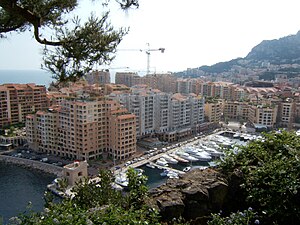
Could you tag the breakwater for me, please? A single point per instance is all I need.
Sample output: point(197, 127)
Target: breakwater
point(36, 165)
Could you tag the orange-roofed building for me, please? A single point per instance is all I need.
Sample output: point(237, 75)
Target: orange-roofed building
point(83, 129)
point(18, 100)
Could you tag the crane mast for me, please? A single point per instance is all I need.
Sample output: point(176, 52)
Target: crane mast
point(147, 51)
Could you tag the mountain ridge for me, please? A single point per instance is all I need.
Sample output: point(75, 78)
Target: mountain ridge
point(284, 50)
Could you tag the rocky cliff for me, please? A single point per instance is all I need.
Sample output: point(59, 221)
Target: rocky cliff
point(194, 196)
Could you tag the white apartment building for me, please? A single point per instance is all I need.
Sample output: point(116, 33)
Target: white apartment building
point(158, 112)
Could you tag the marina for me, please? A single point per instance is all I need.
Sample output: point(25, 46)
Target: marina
point(171, 162)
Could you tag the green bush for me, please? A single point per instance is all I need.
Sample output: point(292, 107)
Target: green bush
point(98, 204)
point(245, 217)
point(270, 172)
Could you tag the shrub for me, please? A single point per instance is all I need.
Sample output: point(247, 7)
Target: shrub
point(270, 171)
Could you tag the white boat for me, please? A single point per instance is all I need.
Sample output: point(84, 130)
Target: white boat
point(121, 179)
point(172, 174)
point(178, 158)
point(139, 171)
point(117, 187)
point(162, 162)
point(190, 150)
point(213, 152)
point(236, 135)
point(187, 156)
point(150, 165)
point(164, 173)
point(202, 155)
point(186, 169)
point(170, 159)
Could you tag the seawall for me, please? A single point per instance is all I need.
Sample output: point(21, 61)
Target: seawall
point(36, 165)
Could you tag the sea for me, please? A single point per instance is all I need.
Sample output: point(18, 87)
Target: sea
point(40, 77)
point(22, 190)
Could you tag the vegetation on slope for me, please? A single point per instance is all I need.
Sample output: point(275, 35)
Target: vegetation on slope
point(269, 170)
point(98, 204)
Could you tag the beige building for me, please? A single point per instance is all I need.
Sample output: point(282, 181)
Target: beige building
point(98, 77)
point(83, 129)
point(126, 78)
point(207, 89)
point(213, 111)
point(109, 88)
point(75, 172)
point(122, 134)
point(163, 82)
point(222, 90)
point(287, 113)
point(236, 110)
point(18, 100)
point(263, 115)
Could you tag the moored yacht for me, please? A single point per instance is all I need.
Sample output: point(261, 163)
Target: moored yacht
point(170, 159)
point(121, 179)
point(178, 158)
point(150, 165)
point(162, 162)
point(186, 156)
point(213, 152)
point(172, 174)
point(202, 155)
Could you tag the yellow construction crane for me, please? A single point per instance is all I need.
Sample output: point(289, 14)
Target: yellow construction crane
point(147, 51)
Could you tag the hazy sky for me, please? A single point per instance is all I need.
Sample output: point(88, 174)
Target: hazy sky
point(193, 32)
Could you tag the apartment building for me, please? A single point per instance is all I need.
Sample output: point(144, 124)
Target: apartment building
point(55, 98)
point(83, 129)
point(122, 134)
point(98, 77)
point(196, 86)
point(126, 78)
point(17, 100)
point(263, 115)
point(223, 90)
point(158, 112)
point(162, 82)
point(183, 86)
point(237, 93)
point(207, 89)
point(213, 111)
point(109, 88)
point(140, 102)
point(236, 110)
point(286, 113)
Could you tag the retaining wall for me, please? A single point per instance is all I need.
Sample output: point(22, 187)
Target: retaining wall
point(48, 168)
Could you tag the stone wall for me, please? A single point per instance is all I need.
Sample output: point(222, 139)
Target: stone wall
point(37, 165)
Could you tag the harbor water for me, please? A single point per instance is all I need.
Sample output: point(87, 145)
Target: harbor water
point(19, 186)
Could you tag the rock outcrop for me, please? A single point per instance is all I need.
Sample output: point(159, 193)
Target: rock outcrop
point(194, 195)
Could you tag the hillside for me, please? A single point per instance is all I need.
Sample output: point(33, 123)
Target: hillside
point(285, 50)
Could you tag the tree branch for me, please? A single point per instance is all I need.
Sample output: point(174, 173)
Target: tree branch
point(39, 40)
point(13, 9)
point(11, 28)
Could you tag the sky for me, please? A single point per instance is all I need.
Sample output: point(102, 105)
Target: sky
point(193, 33)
